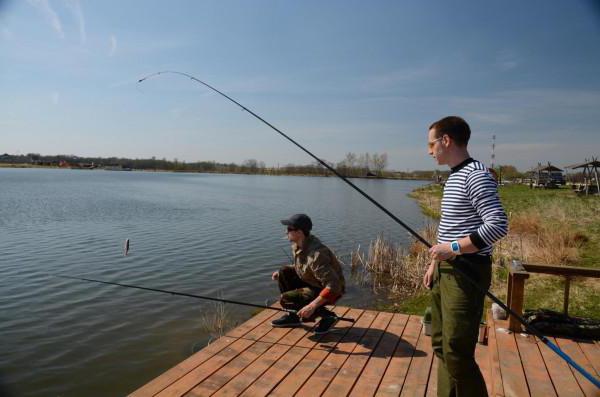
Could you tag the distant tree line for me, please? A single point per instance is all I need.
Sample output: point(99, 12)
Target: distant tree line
point(353, 165)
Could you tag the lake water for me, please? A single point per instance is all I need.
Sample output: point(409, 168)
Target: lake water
point(215, 235)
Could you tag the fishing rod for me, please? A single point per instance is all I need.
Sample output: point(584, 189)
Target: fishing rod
point(416, 235)
point(210, 298)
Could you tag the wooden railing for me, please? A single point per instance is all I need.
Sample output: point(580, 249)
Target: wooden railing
point(519, 272)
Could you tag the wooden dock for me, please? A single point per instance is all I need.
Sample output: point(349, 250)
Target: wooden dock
point(381, 354)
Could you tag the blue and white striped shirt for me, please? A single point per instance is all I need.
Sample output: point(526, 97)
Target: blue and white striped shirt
point(471, 207)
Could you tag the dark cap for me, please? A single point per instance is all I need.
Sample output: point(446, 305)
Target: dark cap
point(298, 221)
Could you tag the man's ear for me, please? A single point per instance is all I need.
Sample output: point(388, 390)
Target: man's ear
point(446, 140)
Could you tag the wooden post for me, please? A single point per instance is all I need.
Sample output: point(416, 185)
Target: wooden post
point(517, 276)
point(566, 300)
point(597, 183)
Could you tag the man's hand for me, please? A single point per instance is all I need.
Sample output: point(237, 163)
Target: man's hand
point(307, 311)
point(428, 277)
point(441, 252)
point(275, 276)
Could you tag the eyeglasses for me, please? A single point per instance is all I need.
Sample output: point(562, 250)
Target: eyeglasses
point(430, 144)
point(291, 229)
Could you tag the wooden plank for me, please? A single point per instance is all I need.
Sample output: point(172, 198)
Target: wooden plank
point(572, 349)
point(494, 360)
point(278, 372)
point(483, 361)
point(237, 365)
point(319, 369)
point(563, 379)
point(420, 367)
point(353, 367)
point(243, 329)
point(538, 379)
point(228, 371)
point(592, 353)
point(203, 371)
point(561, 270)
point(251, 373)
point(371, 376)
point(265, 383)
point(517, 297)
point(395, 374)
point(513, 377)
point(172, 375)
point(432, 384)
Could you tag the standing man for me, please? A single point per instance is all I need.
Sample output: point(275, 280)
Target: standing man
point(472, 220)
point(314, 280)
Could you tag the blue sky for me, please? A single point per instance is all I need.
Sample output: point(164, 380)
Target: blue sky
point(339, 76)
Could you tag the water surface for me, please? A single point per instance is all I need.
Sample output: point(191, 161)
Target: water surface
point(206, 234)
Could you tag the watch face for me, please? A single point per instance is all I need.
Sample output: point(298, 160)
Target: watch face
point(455, 247)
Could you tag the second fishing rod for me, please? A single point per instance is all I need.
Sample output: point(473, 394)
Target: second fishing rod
point(456, 263)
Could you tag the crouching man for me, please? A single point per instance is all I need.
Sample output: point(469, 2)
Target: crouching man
point(314, 280)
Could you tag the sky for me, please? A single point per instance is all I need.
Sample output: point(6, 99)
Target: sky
point(337, 76)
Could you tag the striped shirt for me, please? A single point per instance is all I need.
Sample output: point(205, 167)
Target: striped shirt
point(471, 207)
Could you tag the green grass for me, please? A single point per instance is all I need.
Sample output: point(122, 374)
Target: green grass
point(558, 212)
point(416, 304)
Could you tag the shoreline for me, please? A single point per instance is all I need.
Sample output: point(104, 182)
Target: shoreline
point(31, 166)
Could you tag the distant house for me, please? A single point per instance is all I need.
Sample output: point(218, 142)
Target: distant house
point(547, 176)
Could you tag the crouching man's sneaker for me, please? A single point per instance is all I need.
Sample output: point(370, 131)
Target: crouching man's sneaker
point(325, 325)
point(287, 320)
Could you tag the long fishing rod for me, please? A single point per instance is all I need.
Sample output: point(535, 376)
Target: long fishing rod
point(210, 298)
point(416, 235)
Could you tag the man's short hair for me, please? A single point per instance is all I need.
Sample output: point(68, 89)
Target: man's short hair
point(453, 126)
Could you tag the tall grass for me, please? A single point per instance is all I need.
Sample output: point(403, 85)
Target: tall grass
point(216, 321)
point(551, 231)
point(391, 267)
point(545, 227)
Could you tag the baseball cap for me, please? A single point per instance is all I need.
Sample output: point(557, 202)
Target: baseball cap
point(298, 221)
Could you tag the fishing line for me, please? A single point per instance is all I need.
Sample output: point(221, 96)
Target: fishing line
point(459, 260)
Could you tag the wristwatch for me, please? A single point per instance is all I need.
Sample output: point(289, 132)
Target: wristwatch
point(455, 246)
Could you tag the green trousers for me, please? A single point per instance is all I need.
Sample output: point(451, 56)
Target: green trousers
point(456, 312)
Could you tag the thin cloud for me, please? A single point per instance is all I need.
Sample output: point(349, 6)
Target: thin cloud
point(113, 46)
point(7, 34)
point(506, 60)
point(75, 7)
point(397, 77)
point(50, 15)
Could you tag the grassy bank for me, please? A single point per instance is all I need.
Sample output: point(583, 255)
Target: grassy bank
point(546, 227)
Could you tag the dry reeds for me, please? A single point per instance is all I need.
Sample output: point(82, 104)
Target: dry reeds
point(549, 236)
point(215, 322)
point(389, 266)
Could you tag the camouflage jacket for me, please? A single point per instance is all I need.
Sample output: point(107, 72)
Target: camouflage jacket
point(317, 266)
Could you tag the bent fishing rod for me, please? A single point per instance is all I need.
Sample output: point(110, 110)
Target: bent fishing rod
point(454, 262)
point(210, 298)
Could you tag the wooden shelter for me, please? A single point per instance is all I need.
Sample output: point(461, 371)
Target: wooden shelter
point(546, 176)
point(590, 175)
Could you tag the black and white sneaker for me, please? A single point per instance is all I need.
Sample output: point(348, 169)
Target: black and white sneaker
point(287, 320)
point(325, 325)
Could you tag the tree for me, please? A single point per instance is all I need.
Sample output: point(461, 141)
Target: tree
point(380, 162)
point(509, 172)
